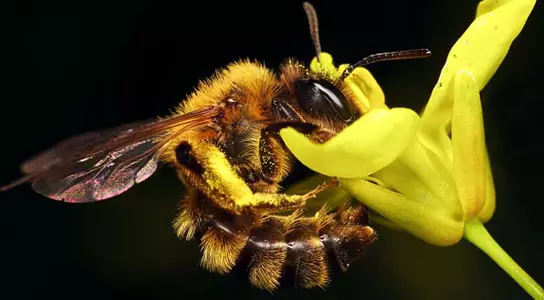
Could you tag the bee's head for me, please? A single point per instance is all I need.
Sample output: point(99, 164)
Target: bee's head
point(319, 91)
point(319, 97)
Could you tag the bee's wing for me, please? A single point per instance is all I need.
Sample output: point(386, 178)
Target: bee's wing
point(100, 165)
point(99, 176)
point(78, 147)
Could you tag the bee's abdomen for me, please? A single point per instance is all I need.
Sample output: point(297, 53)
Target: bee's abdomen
point(265, 254)
point(306, 264)
point(277, 250)
point(304, 252)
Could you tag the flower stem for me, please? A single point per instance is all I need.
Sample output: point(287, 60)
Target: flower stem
point(476, 233)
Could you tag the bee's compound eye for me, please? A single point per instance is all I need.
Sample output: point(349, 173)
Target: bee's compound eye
point(320, 98)
point(185, 158)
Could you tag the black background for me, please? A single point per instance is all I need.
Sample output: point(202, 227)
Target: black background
point(74, 67)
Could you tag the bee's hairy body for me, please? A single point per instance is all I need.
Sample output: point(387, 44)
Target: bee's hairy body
point(224, 142)
point(234, 168)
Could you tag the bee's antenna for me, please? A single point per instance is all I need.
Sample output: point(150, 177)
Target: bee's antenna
point(386, 56)
point(311, 14)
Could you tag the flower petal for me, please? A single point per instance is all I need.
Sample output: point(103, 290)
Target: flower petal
point(363, 86)
point(468, 144)
point(367, 145)
point(430, 223)
point(480, 50)
point(489, 5)
point(490, 201)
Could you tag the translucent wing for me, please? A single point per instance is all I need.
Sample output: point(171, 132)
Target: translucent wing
point(100, 165)
point(79, 147)
point(100, 176)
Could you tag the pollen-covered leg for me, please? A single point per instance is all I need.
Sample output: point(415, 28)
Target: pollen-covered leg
point(220, 183)
point(284, 202)
point(190, 218)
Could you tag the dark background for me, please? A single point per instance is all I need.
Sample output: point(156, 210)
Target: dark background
point(73, 67)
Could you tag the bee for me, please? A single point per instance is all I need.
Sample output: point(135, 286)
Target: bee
point(224, 142)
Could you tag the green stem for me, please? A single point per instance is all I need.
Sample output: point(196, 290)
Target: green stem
point(476, 233)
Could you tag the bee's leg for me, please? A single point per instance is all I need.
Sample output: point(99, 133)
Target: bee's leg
point(281, 202)
point(190, 218)
point(206, 167)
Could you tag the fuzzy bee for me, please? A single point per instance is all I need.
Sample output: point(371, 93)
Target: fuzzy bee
point(223, 141)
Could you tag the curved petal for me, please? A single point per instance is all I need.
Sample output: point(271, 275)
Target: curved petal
point(434, 225)
point(364, 87)
point(480, 50)
point(367, 145)
point(486, 6)
point(490, 200)
point(468, 144)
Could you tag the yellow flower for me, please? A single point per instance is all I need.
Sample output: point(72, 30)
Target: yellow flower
point(428, 174)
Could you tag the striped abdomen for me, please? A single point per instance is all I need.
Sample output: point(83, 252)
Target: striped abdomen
point(276, 250)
